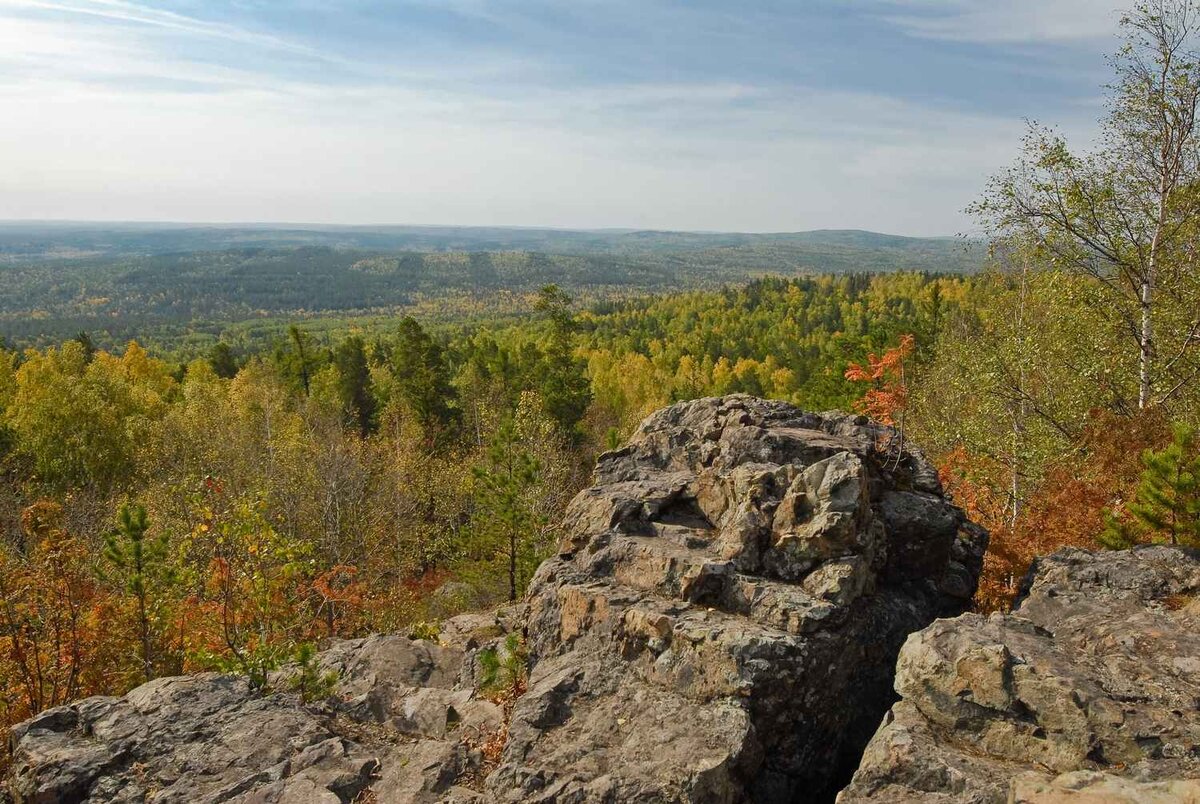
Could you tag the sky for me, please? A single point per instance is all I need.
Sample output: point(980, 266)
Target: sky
point(727, 115)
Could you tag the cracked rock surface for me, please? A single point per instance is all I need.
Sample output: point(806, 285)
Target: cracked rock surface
point(722, 620)
point(1088, 692)
point(400, 728)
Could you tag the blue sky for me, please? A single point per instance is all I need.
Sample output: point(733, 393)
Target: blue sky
point(756, 115)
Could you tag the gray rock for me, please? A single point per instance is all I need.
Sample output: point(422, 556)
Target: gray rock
point(722, 620)
point(198, 738)
point(401, 725)
point(1088, 691)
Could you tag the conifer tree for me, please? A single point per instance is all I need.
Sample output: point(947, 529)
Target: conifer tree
point(301, 354)
point(563, 383)
point(354, 383)
point(89, 346)
point(422, 377)
point(139, 563)
point(1167, 503)
point(505, 515)
point(223, 361)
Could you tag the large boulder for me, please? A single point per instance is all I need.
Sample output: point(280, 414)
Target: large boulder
point(722, 619)
point(1088, 692)
point(720, 624)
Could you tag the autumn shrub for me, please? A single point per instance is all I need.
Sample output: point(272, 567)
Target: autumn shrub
point(1066, 509)
point(55, 645)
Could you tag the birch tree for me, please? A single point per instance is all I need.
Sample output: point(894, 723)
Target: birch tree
point(1125, 214)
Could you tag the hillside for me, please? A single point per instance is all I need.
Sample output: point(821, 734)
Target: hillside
point(121, 283)
point(34, 241)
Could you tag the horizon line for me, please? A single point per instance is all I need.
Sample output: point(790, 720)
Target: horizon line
point(299, 225)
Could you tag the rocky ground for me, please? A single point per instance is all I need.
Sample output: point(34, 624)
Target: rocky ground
point(406, 724)
point(1088, 692)
point(720, 625)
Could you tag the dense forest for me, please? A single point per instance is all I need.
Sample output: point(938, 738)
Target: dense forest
point(187, 300)
point(165, 512)
point(834, 249)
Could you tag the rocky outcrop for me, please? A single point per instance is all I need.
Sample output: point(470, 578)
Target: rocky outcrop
point(405, 725)
point(720, 624)
point(1088, 692)
point(723, 617)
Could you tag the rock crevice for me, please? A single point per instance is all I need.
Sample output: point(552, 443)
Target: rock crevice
point(724, 613)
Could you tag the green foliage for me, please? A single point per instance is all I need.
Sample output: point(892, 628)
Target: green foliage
point(564, 384)
point(79, 421)
point(1166, 507)
point(1017, 369)
point(298, 359)
point(307, 680)
point(505, 520)
point(774, 337)
point(222, 360)
point(429, 631)
point(354, 383)
point(141, 566)
point(140, 561)
point(88, 345)
point(503, 669)
point(256, 663)
point(1124, 215)
point(191, 288)
point(421, 377)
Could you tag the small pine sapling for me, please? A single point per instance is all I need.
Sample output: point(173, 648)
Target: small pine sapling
point(140, 564)
point(1166, 504)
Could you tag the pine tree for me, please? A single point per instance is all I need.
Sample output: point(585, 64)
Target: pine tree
point(563, 382)
point(505, 515)
point(139, 562)
point(89, 346)
point(354, 383)
point(422, 377)
point(1166, 507)
point(301, 354)
point(223, 361)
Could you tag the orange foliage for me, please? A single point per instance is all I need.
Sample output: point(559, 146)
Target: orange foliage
point(52, 621)
point(339, 598)
point(1065, 510)
point(887, 397)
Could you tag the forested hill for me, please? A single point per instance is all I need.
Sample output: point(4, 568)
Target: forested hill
point(820, 250)
point(110, 281)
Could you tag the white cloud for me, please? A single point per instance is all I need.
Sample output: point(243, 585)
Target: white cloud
point(87, 134)
point(121, 11)
point(402, 156)
point(1006, 21)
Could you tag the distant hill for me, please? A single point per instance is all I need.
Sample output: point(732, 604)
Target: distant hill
point(57, 240)
point(125, 279)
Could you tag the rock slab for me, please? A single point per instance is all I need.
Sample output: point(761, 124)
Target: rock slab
point(1088, 692)
point(402, 727)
